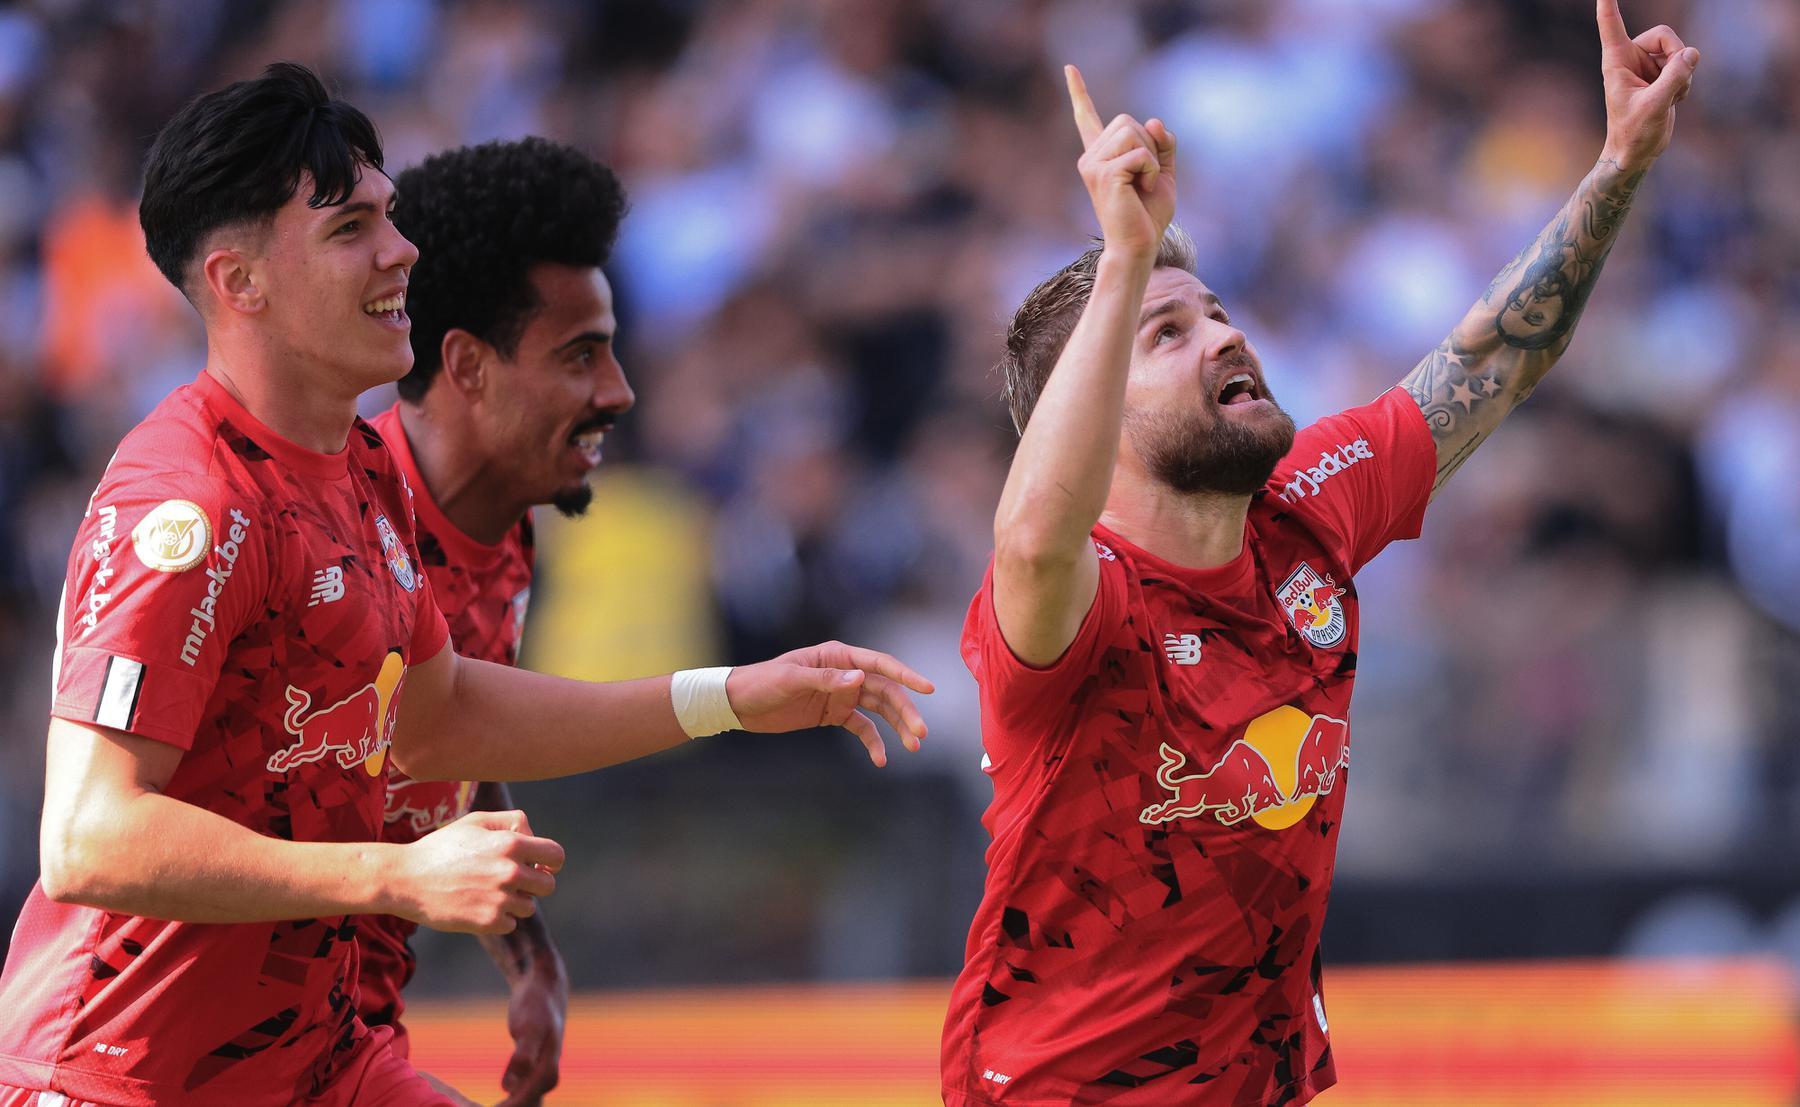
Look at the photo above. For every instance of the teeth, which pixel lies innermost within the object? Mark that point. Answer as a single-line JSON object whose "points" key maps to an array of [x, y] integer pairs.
{"points": [[1241, 378], [391, 303], [589, 441]]}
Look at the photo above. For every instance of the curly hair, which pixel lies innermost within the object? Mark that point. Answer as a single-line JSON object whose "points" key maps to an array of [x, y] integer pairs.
{"points": [[1041, 327], [481, 217], [235, 156]]}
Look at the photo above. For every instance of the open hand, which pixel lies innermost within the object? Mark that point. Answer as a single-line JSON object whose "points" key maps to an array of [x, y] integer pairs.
{"points": [[825, 685], [1645, 78], [1129, 170]]}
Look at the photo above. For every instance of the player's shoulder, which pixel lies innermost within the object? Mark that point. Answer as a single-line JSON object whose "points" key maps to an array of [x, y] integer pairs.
{"points": [[184, 448]]}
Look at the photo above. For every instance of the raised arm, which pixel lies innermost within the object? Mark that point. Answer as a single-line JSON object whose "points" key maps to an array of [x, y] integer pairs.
{"points": [[1520, 327], [1045, 568]]}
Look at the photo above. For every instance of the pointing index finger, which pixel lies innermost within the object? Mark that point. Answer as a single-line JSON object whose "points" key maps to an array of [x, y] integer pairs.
{"points": [[1087, 120], [1612, 24]]}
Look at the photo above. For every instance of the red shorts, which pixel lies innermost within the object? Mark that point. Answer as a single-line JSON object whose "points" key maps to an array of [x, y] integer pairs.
{"points": [[374, 1077]]}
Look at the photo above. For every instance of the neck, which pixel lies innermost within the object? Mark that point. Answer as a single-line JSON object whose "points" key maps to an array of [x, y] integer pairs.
{"points": [[1201, 530], [305, 412], [458, 477]]}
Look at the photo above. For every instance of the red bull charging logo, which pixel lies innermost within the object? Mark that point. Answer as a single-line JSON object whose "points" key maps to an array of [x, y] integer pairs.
{"points": [[1311, 601], [427, 805], [356, 729], [1273, 774]]}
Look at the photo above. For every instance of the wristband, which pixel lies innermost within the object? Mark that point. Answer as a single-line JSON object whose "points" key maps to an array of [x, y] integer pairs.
{"points": [[701, 706]]}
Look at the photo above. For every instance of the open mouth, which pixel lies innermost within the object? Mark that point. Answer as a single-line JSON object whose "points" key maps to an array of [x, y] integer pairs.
{"points": [[588, 444], [1239, 388], [388, 309]]}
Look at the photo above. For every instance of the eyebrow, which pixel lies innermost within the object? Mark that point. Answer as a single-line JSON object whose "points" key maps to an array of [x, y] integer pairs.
{"points": [[584, 336], [1174, 304]]}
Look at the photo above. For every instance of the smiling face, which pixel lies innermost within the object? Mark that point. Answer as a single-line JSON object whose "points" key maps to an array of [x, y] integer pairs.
{"points": [[333, 284], [1198, 414], [543, 412]]}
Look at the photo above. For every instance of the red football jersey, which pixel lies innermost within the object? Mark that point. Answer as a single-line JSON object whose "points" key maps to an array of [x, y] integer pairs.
{"points": [[255, 604], [1166, 803], [483, 592]]}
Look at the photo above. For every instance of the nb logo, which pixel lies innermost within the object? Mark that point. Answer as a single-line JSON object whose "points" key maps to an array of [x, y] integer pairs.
{"points": [[1182, 649], [327, 585], [996, 1077]]}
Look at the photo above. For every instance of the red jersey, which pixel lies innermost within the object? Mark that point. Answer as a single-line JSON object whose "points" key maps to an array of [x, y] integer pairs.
{"points": [[1167, 797], [483, 592], [255, 604]]}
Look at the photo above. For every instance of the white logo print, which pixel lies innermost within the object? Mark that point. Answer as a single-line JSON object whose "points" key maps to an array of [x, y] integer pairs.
{"points": [[327, 586], [996, 1077], [216, 577], [97, 596], [1182, 649], [1308, 478]]}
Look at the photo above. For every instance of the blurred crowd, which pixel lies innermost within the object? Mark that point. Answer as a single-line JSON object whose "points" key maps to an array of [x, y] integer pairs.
{"points": [[836, 204]]}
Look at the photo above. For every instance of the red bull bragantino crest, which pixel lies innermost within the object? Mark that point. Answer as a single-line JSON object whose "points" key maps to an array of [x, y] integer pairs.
{"points": [[398, 563], [1273, 774], [1311, 601]]}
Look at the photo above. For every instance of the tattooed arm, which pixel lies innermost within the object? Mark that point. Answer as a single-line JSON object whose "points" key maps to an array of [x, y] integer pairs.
{"points": [[1507, 342]]}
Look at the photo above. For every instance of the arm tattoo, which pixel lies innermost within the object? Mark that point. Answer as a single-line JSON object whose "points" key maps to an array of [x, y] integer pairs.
{"points": [[1524, 322]]}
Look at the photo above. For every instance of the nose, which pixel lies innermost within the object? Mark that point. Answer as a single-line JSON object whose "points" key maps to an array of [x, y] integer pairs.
{"points": [[399, 253], [612, 392], [1224, 340]]}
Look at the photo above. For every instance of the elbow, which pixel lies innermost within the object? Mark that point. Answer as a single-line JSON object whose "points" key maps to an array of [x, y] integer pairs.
{"points": [[70, 868], [1029, 547]]}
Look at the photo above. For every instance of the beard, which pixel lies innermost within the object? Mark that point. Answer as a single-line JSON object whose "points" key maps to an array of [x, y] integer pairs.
{"points": [[573, 502], [1202, 450]]}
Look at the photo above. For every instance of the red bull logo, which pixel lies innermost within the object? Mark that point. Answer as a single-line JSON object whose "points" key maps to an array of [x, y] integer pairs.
{"points": [[427, 805], [1311, 602], [1273, 774], [356, 729]]}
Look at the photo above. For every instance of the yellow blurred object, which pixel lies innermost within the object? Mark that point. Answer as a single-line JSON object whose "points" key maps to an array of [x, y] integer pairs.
{"points": [[1645, 1034], [623, 592]]}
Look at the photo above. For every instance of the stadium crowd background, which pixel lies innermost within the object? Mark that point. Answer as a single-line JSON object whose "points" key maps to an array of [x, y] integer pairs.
{"points": [[1574, 730]]}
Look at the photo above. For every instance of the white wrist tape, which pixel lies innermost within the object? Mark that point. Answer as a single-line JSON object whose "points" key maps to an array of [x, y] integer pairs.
{"points": [[701, 706]]}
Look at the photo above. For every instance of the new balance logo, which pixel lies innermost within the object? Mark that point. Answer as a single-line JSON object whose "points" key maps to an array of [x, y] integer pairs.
{"points": [[328, 585], [1182, 649]]}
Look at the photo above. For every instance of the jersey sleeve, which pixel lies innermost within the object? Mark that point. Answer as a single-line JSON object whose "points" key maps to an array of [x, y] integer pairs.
{"points": [[1019, 701], [167, 569], [1364, 475], [430, 629]]}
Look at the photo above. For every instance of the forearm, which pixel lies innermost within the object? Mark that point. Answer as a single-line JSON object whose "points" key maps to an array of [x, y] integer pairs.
{"points": [[528, 948], [161, 858], [1520, 327], [1060, 476], [494, 722]]}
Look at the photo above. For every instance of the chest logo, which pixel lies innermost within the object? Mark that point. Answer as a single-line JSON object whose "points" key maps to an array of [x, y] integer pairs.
{"points": [[356, 729], [1273, 774], [398, 563], [174, 537], [327, 585], [1182, 649], [1312, 604]]}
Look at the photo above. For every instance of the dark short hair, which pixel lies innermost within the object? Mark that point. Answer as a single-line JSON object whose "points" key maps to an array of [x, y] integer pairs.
{"points": [[1042, 325], [236, 155], [481, 217]]}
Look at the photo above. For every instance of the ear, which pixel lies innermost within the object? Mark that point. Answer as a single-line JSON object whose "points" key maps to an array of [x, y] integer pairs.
{"points": [[465, 359], [226, 280]]}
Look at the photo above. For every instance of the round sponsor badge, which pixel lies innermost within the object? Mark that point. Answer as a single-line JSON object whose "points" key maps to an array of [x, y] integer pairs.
{"points": [[173, 537]]}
